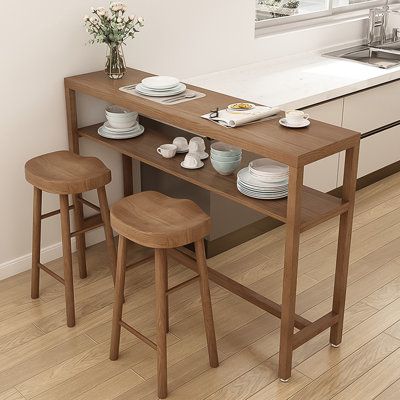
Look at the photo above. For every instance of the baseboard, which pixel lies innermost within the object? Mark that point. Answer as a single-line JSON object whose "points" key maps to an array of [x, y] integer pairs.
{"points": [[23, 263]]}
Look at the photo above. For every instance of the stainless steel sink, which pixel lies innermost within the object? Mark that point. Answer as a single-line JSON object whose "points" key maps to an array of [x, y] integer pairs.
{"points": [[381, 58]]}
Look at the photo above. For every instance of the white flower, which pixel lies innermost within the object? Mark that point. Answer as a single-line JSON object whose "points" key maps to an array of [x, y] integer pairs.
{"points": [[119, 20], [92, 19], [141, 20], [101, 11], [86, 18], [92, 9], [131, 17]]}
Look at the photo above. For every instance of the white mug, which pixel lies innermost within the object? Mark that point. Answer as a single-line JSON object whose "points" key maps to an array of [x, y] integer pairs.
{"points": [[194, 147], [200, 141], [181, 143], [296, 117], [167, 150], [192, 160]]}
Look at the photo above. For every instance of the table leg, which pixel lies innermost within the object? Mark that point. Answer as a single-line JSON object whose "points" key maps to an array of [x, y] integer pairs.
{"points": [[290, 272], [344, 242], [72, 123], [127, 171]]}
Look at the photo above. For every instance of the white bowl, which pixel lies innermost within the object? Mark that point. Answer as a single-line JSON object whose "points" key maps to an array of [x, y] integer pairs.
{"points": [[225, 168], [122, 124], [224, 149], [117, 110]]}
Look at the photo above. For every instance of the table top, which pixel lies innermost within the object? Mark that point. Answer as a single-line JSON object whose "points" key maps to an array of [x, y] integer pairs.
{"points": [[294, 147]]}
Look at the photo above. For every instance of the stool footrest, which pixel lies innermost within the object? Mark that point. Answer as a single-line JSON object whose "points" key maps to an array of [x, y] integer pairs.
{"points": [[138, 334], [90, 223], [51, 273], [88, 203], [181, 285], [55, 212]]}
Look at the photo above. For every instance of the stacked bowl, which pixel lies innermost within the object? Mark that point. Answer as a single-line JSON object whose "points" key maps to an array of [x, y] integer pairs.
{"points": [[121, 124], [225, 158]]}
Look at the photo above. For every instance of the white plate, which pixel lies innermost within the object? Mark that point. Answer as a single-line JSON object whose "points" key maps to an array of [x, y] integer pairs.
{"points": [[260, 197], [102, 132], [199, 166], [245, 177], [280, 187], [109, 128], [160, 82], [168, 93], [263, 192], [268, 167], [284, 122]]}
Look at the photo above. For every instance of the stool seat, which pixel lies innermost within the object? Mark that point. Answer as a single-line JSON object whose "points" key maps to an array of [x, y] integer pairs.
{"points": [[63, 172], [155, 220]]}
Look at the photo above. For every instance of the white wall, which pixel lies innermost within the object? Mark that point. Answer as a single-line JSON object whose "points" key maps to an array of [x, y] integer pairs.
{"points": [[46, 42]]}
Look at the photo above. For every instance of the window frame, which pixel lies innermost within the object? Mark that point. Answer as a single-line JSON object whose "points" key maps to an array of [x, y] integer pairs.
{"points": [[359, 10]]}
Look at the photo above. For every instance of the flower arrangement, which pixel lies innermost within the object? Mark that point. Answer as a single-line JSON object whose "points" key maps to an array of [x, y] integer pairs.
{"points": [[112, 27]]}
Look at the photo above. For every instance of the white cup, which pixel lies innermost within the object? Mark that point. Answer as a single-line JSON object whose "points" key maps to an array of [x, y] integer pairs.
{"points": [[181, 143], [200, 141], [296, 117], [167, 150], [194, 147], [192, 160]]}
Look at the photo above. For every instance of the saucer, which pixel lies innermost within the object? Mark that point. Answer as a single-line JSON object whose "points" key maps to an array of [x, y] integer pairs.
{"points": [[203, 155], [284, 122], [199, 166]]}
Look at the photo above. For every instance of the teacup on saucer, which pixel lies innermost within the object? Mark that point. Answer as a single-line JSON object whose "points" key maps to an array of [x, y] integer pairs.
{"points": [[192, 161], [182, 144], [303, 124]]}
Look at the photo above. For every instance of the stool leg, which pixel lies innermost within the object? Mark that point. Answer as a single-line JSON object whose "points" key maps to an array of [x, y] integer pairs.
{"points": [[119, 299], [80, 239], [36, 234], [206, 302], [161, 320], [66, 243], [105, 215]]}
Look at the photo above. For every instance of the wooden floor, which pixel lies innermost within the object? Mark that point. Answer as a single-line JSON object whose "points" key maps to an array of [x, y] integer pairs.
{"points": [[42, 359]]}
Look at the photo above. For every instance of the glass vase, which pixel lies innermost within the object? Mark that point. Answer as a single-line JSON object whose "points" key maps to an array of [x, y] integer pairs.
{"points": [[115, 64]]}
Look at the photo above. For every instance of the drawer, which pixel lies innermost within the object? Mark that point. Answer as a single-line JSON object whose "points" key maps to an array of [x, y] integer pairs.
{"points": [[376, 151], [322, 174], [372, 108]]}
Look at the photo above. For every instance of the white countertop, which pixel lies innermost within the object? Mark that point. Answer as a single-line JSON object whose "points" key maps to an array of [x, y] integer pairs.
{"points": [[297, 81]]}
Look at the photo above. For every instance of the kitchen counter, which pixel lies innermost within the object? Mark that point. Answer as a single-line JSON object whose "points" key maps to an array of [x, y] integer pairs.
{"points": [[296, 81]]}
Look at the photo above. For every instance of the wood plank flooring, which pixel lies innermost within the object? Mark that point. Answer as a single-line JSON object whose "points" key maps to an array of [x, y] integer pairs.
{"points": [[42, 359]]}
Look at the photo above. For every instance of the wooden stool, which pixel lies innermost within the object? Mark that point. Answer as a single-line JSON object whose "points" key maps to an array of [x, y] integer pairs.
{"points": [[154, 220], [64, 173]]}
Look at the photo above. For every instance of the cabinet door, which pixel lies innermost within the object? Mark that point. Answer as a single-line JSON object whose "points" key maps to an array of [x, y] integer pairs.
{"points": [[322, 174], [372, 108], [376, 152]]}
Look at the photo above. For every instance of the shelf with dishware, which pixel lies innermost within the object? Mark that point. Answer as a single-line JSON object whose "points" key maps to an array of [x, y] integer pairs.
{"points": [[316, 206]]}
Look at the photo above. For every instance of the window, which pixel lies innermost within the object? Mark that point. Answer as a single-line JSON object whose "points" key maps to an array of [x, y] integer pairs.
{"points": [[277, 12]]}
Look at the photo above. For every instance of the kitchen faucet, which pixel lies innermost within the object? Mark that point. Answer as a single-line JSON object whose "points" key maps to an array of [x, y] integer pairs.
{"points": [[378, 21], [378, 17]]}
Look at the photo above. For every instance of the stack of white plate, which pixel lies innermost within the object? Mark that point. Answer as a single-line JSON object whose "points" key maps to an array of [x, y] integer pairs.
{"points": [[160, 86], [120, 124], [264, 179]]}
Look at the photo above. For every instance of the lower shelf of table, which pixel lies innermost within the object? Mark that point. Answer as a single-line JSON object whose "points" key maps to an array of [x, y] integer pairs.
{"points": [[316, 206]]}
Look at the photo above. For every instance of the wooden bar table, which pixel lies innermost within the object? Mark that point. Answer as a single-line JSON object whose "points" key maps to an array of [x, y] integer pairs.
{"points": [[303, 209]]}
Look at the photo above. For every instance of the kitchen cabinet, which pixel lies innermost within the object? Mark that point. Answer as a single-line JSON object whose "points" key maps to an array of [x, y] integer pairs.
{"points": [[322, 175], [376, 151], [373, 108]]}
